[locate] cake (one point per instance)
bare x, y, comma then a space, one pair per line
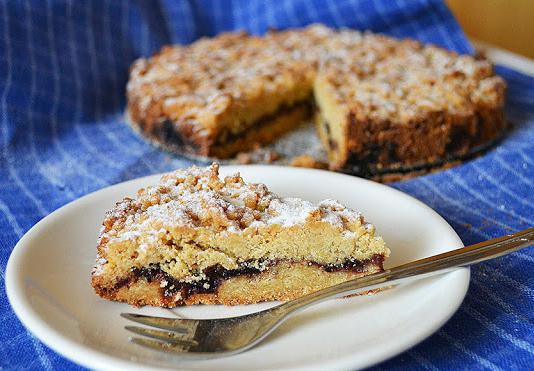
220, 96
378, 102
407, 105
195, 238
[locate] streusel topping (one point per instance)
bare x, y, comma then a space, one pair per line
404, 79
197, 197
379, 76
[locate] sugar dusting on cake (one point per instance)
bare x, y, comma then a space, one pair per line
198, 197
375, 73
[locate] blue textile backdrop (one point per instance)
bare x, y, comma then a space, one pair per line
63, 69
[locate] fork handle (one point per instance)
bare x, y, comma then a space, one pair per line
431, 266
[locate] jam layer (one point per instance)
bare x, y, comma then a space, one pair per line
216, 274
183, 140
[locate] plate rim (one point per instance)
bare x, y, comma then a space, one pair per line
91, 358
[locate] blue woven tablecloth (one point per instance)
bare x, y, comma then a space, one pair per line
63, 69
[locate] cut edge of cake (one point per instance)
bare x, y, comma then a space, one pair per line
232, 92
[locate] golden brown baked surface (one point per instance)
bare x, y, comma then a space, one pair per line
194, 236
381, 102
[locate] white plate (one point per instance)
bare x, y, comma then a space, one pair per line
48, 285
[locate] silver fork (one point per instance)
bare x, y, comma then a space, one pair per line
212, 338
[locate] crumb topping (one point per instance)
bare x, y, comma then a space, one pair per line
377, 76
404, 79
197, 197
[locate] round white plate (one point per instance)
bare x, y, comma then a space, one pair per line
48, 285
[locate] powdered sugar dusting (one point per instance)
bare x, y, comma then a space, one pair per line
197, 197
376, 75
98, 268
289, 211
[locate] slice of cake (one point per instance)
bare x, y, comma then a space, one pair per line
195, 238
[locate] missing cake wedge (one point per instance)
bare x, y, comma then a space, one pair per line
195, 238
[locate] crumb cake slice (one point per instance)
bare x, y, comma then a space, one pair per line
195, 238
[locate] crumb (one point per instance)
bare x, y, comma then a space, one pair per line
308, 161
243, 158
271, 156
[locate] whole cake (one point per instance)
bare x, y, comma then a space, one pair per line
195, 238
378, 102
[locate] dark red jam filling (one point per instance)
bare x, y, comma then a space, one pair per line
216, 274
356, 265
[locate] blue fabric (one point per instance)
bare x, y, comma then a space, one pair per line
63, 68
